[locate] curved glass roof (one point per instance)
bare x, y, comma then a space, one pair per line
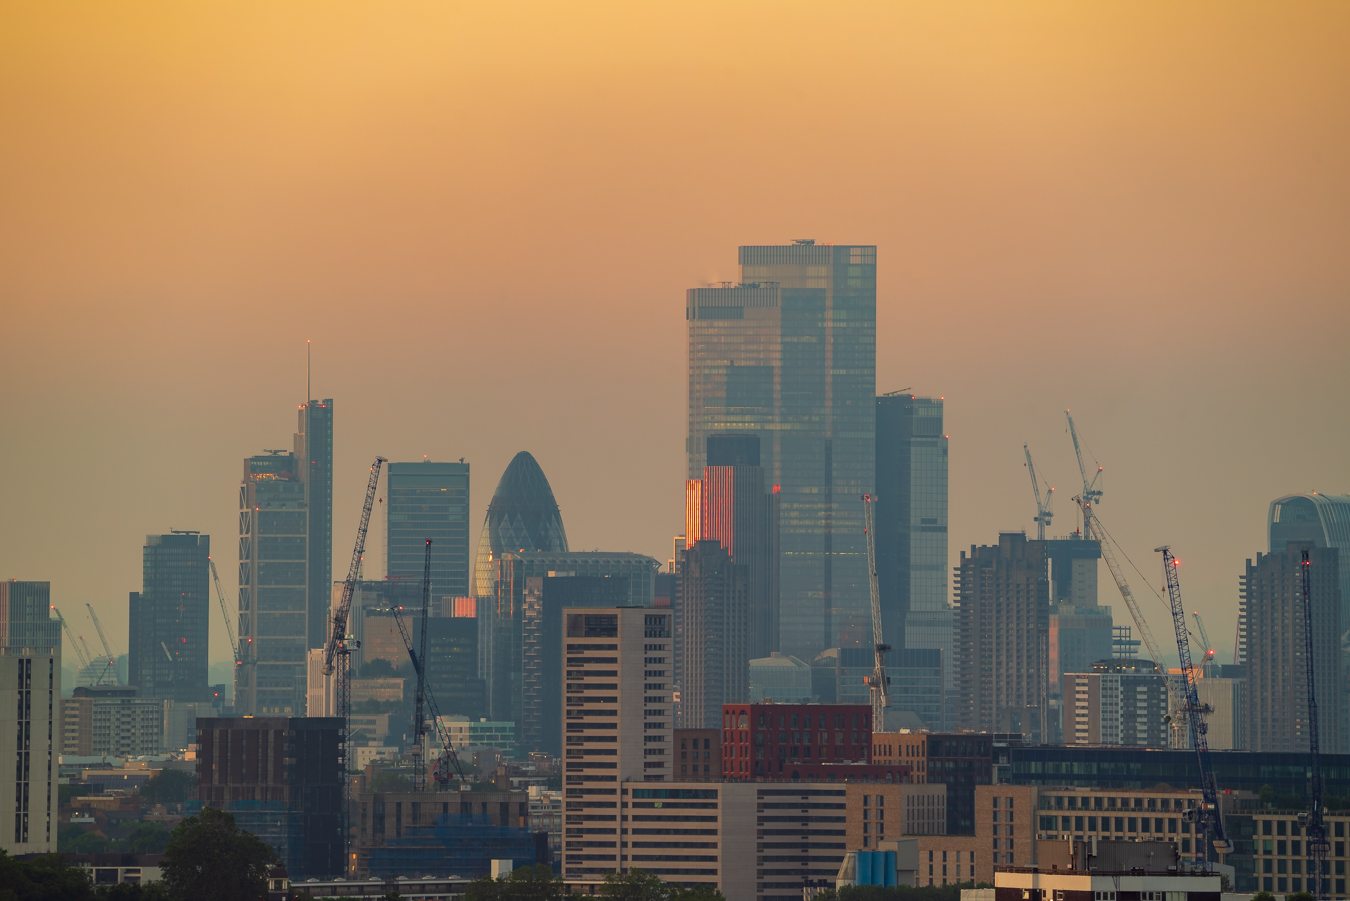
522, 517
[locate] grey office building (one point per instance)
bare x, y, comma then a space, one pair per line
911, 539
314, 451
789, 355
429, 500
170, 618
274, 601
26, 619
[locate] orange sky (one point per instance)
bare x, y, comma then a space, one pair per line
485, 216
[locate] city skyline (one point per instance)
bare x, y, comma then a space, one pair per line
1127, 244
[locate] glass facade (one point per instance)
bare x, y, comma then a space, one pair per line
314, 449
273, 588
911, 524
170, 617
429, 500
789, 356
26, 619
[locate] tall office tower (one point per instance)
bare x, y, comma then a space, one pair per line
273, 589
169, 618
789, 355
314, 451
30, 718
281, 779
712, 648
1273, 643
1116, 702
731, 505
429, 500
617, 726
911, 536
1080, 628
1002, 637
511, 649
1322, 520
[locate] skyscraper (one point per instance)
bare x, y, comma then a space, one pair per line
712, 653
314, 451
1002, 637
789, 355
30, 718
429, 500
274, 601
911, 534
169, 618
1273, 641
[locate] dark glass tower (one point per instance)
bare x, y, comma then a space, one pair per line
273, 588
789, 356
314, 450
170, 617
26, 619
911, 524
429, 500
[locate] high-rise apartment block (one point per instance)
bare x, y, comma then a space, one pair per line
170, 618
112, 722
1273, 640
789, 355
712, 634
1118, 702
911, 539
429, 500
617, 727
30, 718
1002, 637
274, 600
314, 453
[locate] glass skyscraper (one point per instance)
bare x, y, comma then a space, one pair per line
273, 589
911, 539
170, 617
789, 355
314, 449
429, 500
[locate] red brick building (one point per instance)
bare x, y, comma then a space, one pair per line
801, 742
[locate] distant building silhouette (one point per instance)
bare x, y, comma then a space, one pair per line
789, 355
1002, 646
273, 587
30, 696
314, 451
170, 618
429, 500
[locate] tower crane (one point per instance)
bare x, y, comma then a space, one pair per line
1208, 817
1313, 824
225, 613
338, 649
109, 656
1043, 512
1091, 494
1208, 660
81, 649
877, 682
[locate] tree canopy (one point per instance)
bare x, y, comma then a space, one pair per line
209, 858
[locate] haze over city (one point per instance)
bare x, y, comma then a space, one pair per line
486, 222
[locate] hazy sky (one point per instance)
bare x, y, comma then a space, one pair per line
485, 216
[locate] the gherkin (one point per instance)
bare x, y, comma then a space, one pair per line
523, 517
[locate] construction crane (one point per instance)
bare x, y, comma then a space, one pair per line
109, 656
225, 613
1203, 635
425, 699
338, 649
1043, 512
1314, 826
877, 682
81, 649
419, 667
1091, 492
1208, 818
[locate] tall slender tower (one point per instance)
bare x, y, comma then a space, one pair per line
314, 452
30, 718
170, 618
789, 355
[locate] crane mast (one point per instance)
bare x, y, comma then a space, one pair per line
1091, 493
1203, 634
340, 645
80, 652
1043, 512
225, 613
449, 760
109, 656
419, 666
877, 682
1208, 818
1314, 826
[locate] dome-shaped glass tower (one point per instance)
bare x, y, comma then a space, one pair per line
522, 517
